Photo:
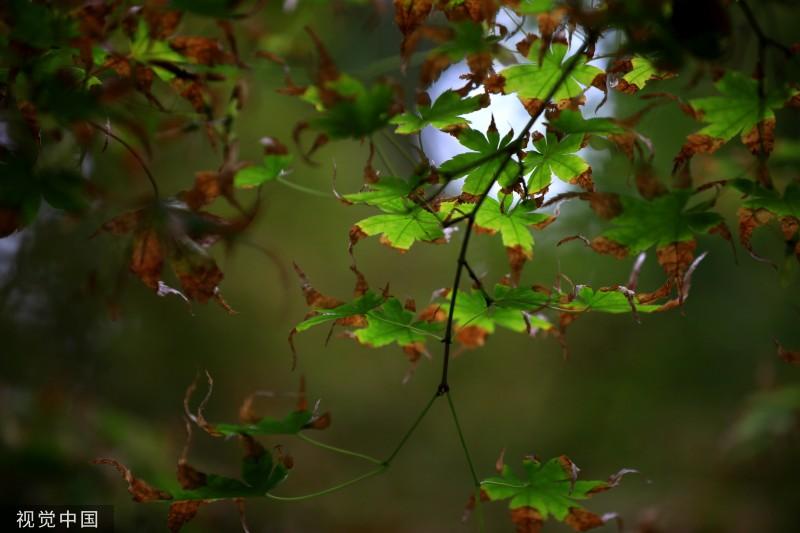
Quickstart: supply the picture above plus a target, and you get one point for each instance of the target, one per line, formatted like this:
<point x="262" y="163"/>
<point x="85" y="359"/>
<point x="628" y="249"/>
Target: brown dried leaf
<point x="675" y="258"/>
<point x="526" y="520"/>
<point x="202" y="50"/>
<point x="749" y="220"/>
<point x="752" y="139"/>
<point x="647" y="183"/>
<point x="604" y="245"/>
<point x="182" y="512"/>
<point x="580" y="519"/>
<point x="147" y="257"/>
<point x="696" y="144"/>
<point x="790" y="356"/>
<point x="139" y="489"/>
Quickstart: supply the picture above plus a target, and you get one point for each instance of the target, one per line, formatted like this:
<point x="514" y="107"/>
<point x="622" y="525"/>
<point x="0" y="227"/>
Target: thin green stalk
<point x="135" y="155"/>
<point x="408" y="433"/>
<point x="335" y="488"/>
<point x="302" y="188"/>
<point x="463" y="441"/>
<point x="385" y="161"/>
<point x="472" y="471"/>
<point x="342" y="451"/>
<point x="399" y="148"/>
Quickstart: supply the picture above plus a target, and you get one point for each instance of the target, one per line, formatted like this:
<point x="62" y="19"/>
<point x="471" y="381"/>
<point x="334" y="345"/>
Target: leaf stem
<point x="313" y="442"/>
<point x="478" y="283"/>
<point x="410" y="431"/>
<point x="384" y="160"/>
<point x="302" y="188"/>
<point x="133" y="152"/>
<point x="400" y="149"/>
<point x="329" y="490"/>
<point x="463" y="440"/>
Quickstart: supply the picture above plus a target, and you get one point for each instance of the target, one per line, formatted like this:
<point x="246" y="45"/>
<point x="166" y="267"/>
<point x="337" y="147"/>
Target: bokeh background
<point x="669" y="397"/>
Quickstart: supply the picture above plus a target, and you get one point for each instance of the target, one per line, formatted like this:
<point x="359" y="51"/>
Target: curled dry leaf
<point x="139" y="489"/>
<point x="790" y="356"/>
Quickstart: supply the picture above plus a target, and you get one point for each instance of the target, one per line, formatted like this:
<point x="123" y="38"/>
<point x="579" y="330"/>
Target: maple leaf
<point x="659" y="222"/>
<point x="477" y="314"/>
<point x="508" y="308"/>
<point x="479" y="166"/>
<point x="389" y="194"/>
<point x="358" y="307"/>
<point x="260" y="471"/>
<point x="557" y="157"/>
<point x="736" y="110"/>
<point x="533" y="7"/>
<point x="272" y="166"/>
<point x="769" y="415"/>
<point x="513" y="223"/>
<point x="391" y="323"/>
<point x="445" y="113"/>
<point x="604" y="301"/>
<point x="573" y="122"/>
<point x="547" y="489"/>
<point x="638" y="71"/>
<point x="400" y="230"/>
<point x="533" y="82"/>
<point x="761" y="205"/>
<point x="356" y="111"/>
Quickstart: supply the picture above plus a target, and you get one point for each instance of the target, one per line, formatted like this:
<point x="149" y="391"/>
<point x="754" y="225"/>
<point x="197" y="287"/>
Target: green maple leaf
<point x="758" y="197"/>
<point x="642" y="72"/>
<point x="468" y="38"/>
<point x="389" y="194"/>
<point x="393" y="324"/>
<point x="519" y="298"/>
<point x="401" y="230"/>
<point x="360" y="111"/>
<point x="533" y="7"/>
<point x="479" y="175"/>
<point x="737" y="108"/>
<point x="534" y="81"/>
<point x="554" y="157"/>
<point x="360" y="306"/>
<point x="570" y="122"/>
<point x="768" y="416"/>
<point x="548" y="488"/>
<point x="272" y="166"/>
<point x="444" y="113"/>
<point x="506" y="309"/>
<point x="613" y="302"/>
<point x="291" y="424"/>
<point x="513" y="223"/>
<point x="659" y="222"/>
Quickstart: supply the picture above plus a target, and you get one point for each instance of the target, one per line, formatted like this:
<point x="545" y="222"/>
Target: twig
<point x="478" y="284"/>
<point x="507" y="152"/>
<point x="133" y="152"/>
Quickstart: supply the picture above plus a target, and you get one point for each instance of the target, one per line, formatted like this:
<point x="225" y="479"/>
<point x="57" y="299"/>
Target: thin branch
<point x="410" y="431"/>
<point x="472" y="471"/>
<point x="133" y="152"/>
<point x="762" y="37"/>
<point x="478" y="283"/>
<point x="475" y="481"/>
<point x="507" y="152"/>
